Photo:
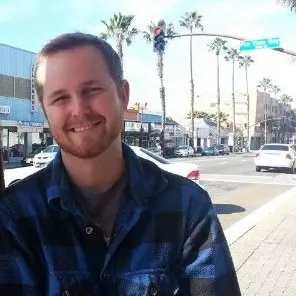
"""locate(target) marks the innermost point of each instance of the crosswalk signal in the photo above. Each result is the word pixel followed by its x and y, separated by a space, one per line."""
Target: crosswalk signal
pixel 158 42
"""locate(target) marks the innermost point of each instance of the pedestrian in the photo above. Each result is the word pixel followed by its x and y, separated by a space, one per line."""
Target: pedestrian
pixel 98 220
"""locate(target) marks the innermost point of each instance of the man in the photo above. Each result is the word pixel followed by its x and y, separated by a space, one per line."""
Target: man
pixel 98 220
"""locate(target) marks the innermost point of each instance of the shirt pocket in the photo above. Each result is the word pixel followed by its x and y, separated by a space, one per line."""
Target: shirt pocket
pixel 147 283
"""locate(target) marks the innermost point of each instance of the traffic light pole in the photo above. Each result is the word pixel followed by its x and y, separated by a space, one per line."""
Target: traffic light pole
pixel 228 36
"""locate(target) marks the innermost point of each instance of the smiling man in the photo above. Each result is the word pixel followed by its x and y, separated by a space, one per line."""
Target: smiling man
pixel 98 220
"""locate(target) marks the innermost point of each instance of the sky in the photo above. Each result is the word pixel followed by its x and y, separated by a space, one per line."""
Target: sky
pixel 29 24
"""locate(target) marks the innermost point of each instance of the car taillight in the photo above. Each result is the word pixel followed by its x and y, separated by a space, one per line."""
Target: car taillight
pixel 288 156
pixel 194 175
pixel 257 154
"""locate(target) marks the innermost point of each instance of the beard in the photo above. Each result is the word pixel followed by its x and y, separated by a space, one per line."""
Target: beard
pixel 91 143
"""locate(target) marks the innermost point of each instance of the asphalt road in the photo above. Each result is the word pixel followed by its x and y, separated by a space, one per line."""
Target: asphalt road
pixel 236 189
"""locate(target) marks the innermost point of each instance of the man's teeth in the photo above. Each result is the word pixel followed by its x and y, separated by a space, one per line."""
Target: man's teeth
pixel 83 128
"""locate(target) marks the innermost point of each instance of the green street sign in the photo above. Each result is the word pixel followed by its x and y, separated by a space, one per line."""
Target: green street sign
pixel 260 44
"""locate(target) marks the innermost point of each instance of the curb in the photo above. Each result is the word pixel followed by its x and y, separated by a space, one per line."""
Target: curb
pixel 237 230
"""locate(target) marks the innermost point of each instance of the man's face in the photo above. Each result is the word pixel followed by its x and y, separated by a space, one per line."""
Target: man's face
pixel 82 104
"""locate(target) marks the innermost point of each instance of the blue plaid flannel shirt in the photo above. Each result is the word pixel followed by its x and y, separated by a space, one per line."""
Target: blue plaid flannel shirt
pixel 166 240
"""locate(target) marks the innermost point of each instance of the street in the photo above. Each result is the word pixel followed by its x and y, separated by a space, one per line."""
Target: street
pixel 236 189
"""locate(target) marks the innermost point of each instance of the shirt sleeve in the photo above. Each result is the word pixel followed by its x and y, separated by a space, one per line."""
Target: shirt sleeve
pixel 207 267
pixel 17 276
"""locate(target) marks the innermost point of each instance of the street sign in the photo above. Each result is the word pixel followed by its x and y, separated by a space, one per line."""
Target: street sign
pixel 260 44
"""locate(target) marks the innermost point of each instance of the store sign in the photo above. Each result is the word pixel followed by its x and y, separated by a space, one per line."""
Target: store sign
pixel 29 129
pixel 30 123
pixel 131 126
pixel 4 109
pixel 34 103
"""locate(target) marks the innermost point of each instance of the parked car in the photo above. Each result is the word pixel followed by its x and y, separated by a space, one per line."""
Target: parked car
pixel 276 156
pixel 184 151
pixel 185 169
pixel 156 149
pixel 28 160
pixel 222 149
pixel 45 156
pixel 209 151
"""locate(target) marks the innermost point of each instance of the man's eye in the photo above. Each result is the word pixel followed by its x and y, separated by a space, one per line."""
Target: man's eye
pixel 93 89
pixel 61 98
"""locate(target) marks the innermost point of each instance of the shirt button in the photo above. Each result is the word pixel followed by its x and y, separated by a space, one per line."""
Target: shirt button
pixel 89 230
pixel 153 291
pixel 66 293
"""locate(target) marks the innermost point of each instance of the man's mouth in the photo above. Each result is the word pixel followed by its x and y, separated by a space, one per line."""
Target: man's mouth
pixel 83 128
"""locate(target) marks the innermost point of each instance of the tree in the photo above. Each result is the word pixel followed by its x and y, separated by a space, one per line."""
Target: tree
pixel 286 99
pixel 245 62
pixel 265 83
pixel 199 114
pixel 190 21
pixel 217 45
pixel 119 27
pixel 232 56
pixel 148 35
pixel 275 90
pixel 290 3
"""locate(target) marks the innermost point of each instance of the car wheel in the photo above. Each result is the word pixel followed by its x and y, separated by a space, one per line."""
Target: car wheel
pixel 258 169
pixel 291 170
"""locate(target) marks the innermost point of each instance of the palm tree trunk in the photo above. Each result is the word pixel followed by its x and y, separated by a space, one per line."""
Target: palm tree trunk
pixel 248 107
pixel 192 93
pixel 162 95
pixel 233 109
pixel 218 101
pixel 119 50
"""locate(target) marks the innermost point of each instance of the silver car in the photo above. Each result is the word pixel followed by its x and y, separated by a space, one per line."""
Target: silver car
pixel 184 151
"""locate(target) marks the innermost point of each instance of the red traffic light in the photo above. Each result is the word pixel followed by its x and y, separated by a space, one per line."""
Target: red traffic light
pixel 158 31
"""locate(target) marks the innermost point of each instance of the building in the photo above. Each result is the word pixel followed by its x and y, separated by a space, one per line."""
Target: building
pixel 144 129
pixel 22 121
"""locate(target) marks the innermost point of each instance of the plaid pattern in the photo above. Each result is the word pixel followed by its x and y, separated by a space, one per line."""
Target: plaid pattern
pixel 166 240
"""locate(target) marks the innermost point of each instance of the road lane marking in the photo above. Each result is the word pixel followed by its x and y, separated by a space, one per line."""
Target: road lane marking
pixel 223 162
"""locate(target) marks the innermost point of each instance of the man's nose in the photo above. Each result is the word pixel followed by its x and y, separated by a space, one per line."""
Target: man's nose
pixel 80 106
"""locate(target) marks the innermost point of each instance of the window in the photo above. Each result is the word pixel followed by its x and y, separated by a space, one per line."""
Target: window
pixel 22 88
pixel 6 86
pixel 154 156
pixel 275 147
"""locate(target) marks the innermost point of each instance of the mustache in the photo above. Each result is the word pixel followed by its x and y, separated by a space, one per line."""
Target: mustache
pixel 86 120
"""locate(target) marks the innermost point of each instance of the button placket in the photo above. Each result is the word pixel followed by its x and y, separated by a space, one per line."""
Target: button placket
pixel 153 291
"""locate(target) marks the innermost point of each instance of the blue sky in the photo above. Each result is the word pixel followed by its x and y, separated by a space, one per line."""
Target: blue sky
pixel 29 24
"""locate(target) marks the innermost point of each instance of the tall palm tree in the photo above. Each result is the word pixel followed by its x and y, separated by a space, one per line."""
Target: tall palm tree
pixel 246 62
pixel 190 21
pixel 290 3
pixel 232 56
pixel 275 90
pixel 286 99
pixel 119 27
pixel 265 83
pixel 148 35
pixel 217 45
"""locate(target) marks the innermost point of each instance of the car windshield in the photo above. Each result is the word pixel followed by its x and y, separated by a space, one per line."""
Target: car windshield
pixel 155 157
pixel 276 147
pixel 51 149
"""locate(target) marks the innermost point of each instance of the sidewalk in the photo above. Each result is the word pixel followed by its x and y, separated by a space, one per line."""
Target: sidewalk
pixel 265 257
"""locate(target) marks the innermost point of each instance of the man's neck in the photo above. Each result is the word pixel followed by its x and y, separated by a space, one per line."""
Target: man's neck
pixel 98 173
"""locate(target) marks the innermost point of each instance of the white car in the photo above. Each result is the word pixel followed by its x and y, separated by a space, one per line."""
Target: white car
pixel 184 151
pixel 185 169
pixel 276 156
pixel 45 156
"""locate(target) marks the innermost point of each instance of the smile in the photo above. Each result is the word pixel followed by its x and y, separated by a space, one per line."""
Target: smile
pixel 84 127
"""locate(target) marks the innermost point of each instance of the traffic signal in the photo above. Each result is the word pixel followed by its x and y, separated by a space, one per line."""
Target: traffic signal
pixel 158 42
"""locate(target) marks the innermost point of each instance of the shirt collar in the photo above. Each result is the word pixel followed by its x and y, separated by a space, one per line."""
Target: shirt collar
pixel 144 180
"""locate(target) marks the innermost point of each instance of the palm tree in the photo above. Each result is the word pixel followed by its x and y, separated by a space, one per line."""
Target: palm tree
pixel 246 61
pixel 286 99
pixel 190 21
pixel 275 90
pixel 148 35
pixel 265 83
pixel 290 3
pixel 119 27
pixel 198 114
pixel 216 46
pixel 232 56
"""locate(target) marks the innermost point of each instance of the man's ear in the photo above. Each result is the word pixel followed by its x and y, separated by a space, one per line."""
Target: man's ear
pixel 124 94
